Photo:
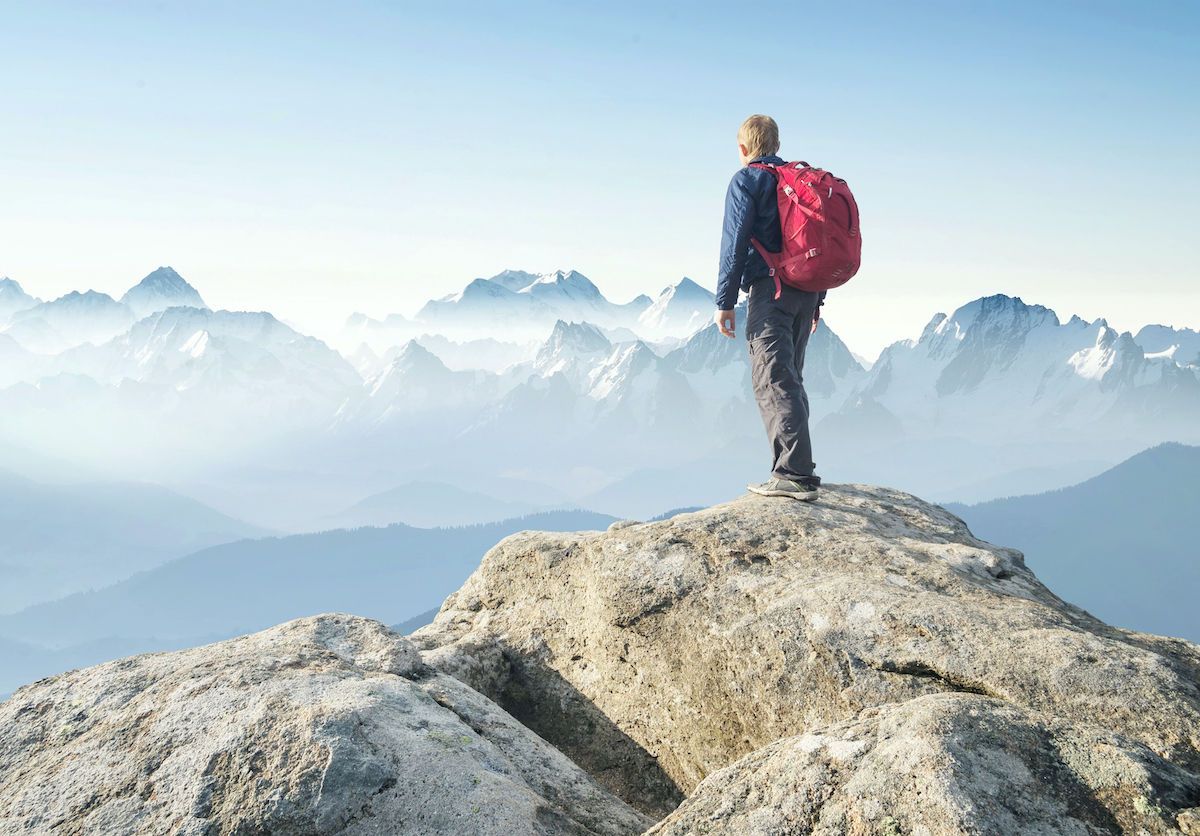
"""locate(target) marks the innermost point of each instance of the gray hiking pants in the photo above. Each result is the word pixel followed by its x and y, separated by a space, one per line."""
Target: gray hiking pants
pixel 778 331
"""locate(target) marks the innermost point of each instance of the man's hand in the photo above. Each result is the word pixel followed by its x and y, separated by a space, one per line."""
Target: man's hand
pixel 726 322
pixel 816 318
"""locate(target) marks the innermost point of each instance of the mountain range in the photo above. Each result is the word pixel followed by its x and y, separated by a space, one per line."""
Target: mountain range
pixel 539 377
pixel 515 306
pixel 1000 368
pixel 90 316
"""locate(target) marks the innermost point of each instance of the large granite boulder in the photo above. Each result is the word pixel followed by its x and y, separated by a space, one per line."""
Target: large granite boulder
pixel 325 725
pixel 656 654
pixel 942 765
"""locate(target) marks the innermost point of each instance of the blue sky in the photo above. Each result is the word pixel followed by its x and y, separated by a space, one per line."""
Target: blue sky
pixel 319 158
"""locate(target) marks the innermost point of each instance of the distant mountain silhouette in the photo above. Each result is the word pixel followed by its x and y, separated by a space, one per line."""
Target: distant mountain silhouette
pixel 390 574
pixel 59 539
pixel 416 622
pixel 997 393
pixel 1123 545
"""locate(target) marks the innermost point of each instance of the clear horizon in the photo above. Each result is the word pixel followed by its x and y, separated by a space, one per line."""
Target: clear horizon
pixel 313 162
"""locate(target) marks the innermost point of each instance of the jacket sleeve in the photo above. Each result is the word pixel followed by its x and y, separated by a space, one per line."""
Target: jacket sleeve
pixel 735 240
pixel 821 298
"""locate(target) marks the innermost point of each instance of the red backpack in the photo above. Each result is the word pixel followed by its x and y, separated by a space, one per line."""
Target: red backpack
pixel 822 244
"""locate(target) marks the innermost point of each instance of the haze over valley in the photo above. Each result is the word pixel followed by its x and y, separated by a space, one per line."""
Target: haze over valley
pixel 147 441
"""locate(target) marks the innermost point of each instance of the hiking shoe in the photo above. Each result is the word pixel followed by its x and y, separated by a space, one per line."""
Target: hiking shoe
pixel 802 491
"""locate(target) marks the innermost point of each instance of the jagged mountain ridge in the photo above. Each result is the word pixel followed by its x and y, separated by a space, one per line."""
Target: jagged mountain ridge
pixel 1000 367
pixel 221 353
pixel 684 307
pixel 72 319
pixel 90 316
pixel 1180 344
pixel 995 372
pixel 506 305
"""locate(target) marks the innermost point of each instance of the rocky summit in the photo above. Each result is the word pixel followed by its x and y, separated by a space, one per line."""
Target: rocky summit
pixel 857 665
pixel 796 668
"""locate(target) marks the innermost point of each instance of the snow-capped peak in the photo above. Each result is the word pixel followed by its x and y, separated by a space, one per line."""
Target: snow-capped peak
pixel 1180 344
pixel 686 286
pixel 1094 362
pixel 416 358
pixel 680 309
pixel 576 336
pixel 571 283
pixel 624 364
pixel 514 280
pixel 162 289
pixel 571 349
pixel 999 309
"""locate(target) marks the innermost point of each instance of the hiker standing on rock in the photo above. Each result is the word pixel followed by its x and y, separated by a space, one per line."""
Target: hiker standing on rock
pixel 790 233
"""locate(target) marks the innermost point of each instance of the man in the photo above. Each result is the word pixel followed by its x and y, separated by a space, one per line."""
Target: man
pixel 777 329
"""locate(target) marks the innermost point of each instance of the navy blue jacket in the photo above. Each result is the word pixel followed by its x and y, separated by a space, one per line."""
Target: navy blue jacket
pixel 751 211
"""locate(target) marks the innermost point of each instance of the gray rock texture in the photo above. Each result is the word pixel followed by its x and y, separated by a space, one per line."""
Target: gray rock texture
pixel 861 665
pixel 941 765
pixel 325 725
pixel 656 654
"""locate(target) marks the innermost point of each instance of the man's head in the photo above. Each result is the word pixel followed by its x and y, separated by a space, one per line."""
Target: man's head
pixel 757 137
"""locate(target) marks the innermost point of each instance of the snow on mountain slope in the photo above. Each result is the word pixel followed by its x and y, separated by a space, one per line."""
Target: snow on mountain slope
pixel 714 364
pixel 220 354
pixel 1179 344
pixel 162 289
pixel 70 320
pixel 635 387
pixel 514 280
pixel 573 349
pixel 680 309
pixel 1000 368
pixel 485 308
pixel 569 290
pixel 415 383
pixel 507 307
pixel 12 299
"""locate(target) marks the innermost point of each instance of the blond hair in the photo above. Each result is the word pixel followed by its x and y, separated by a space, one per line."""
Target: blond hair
pixel 760 135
